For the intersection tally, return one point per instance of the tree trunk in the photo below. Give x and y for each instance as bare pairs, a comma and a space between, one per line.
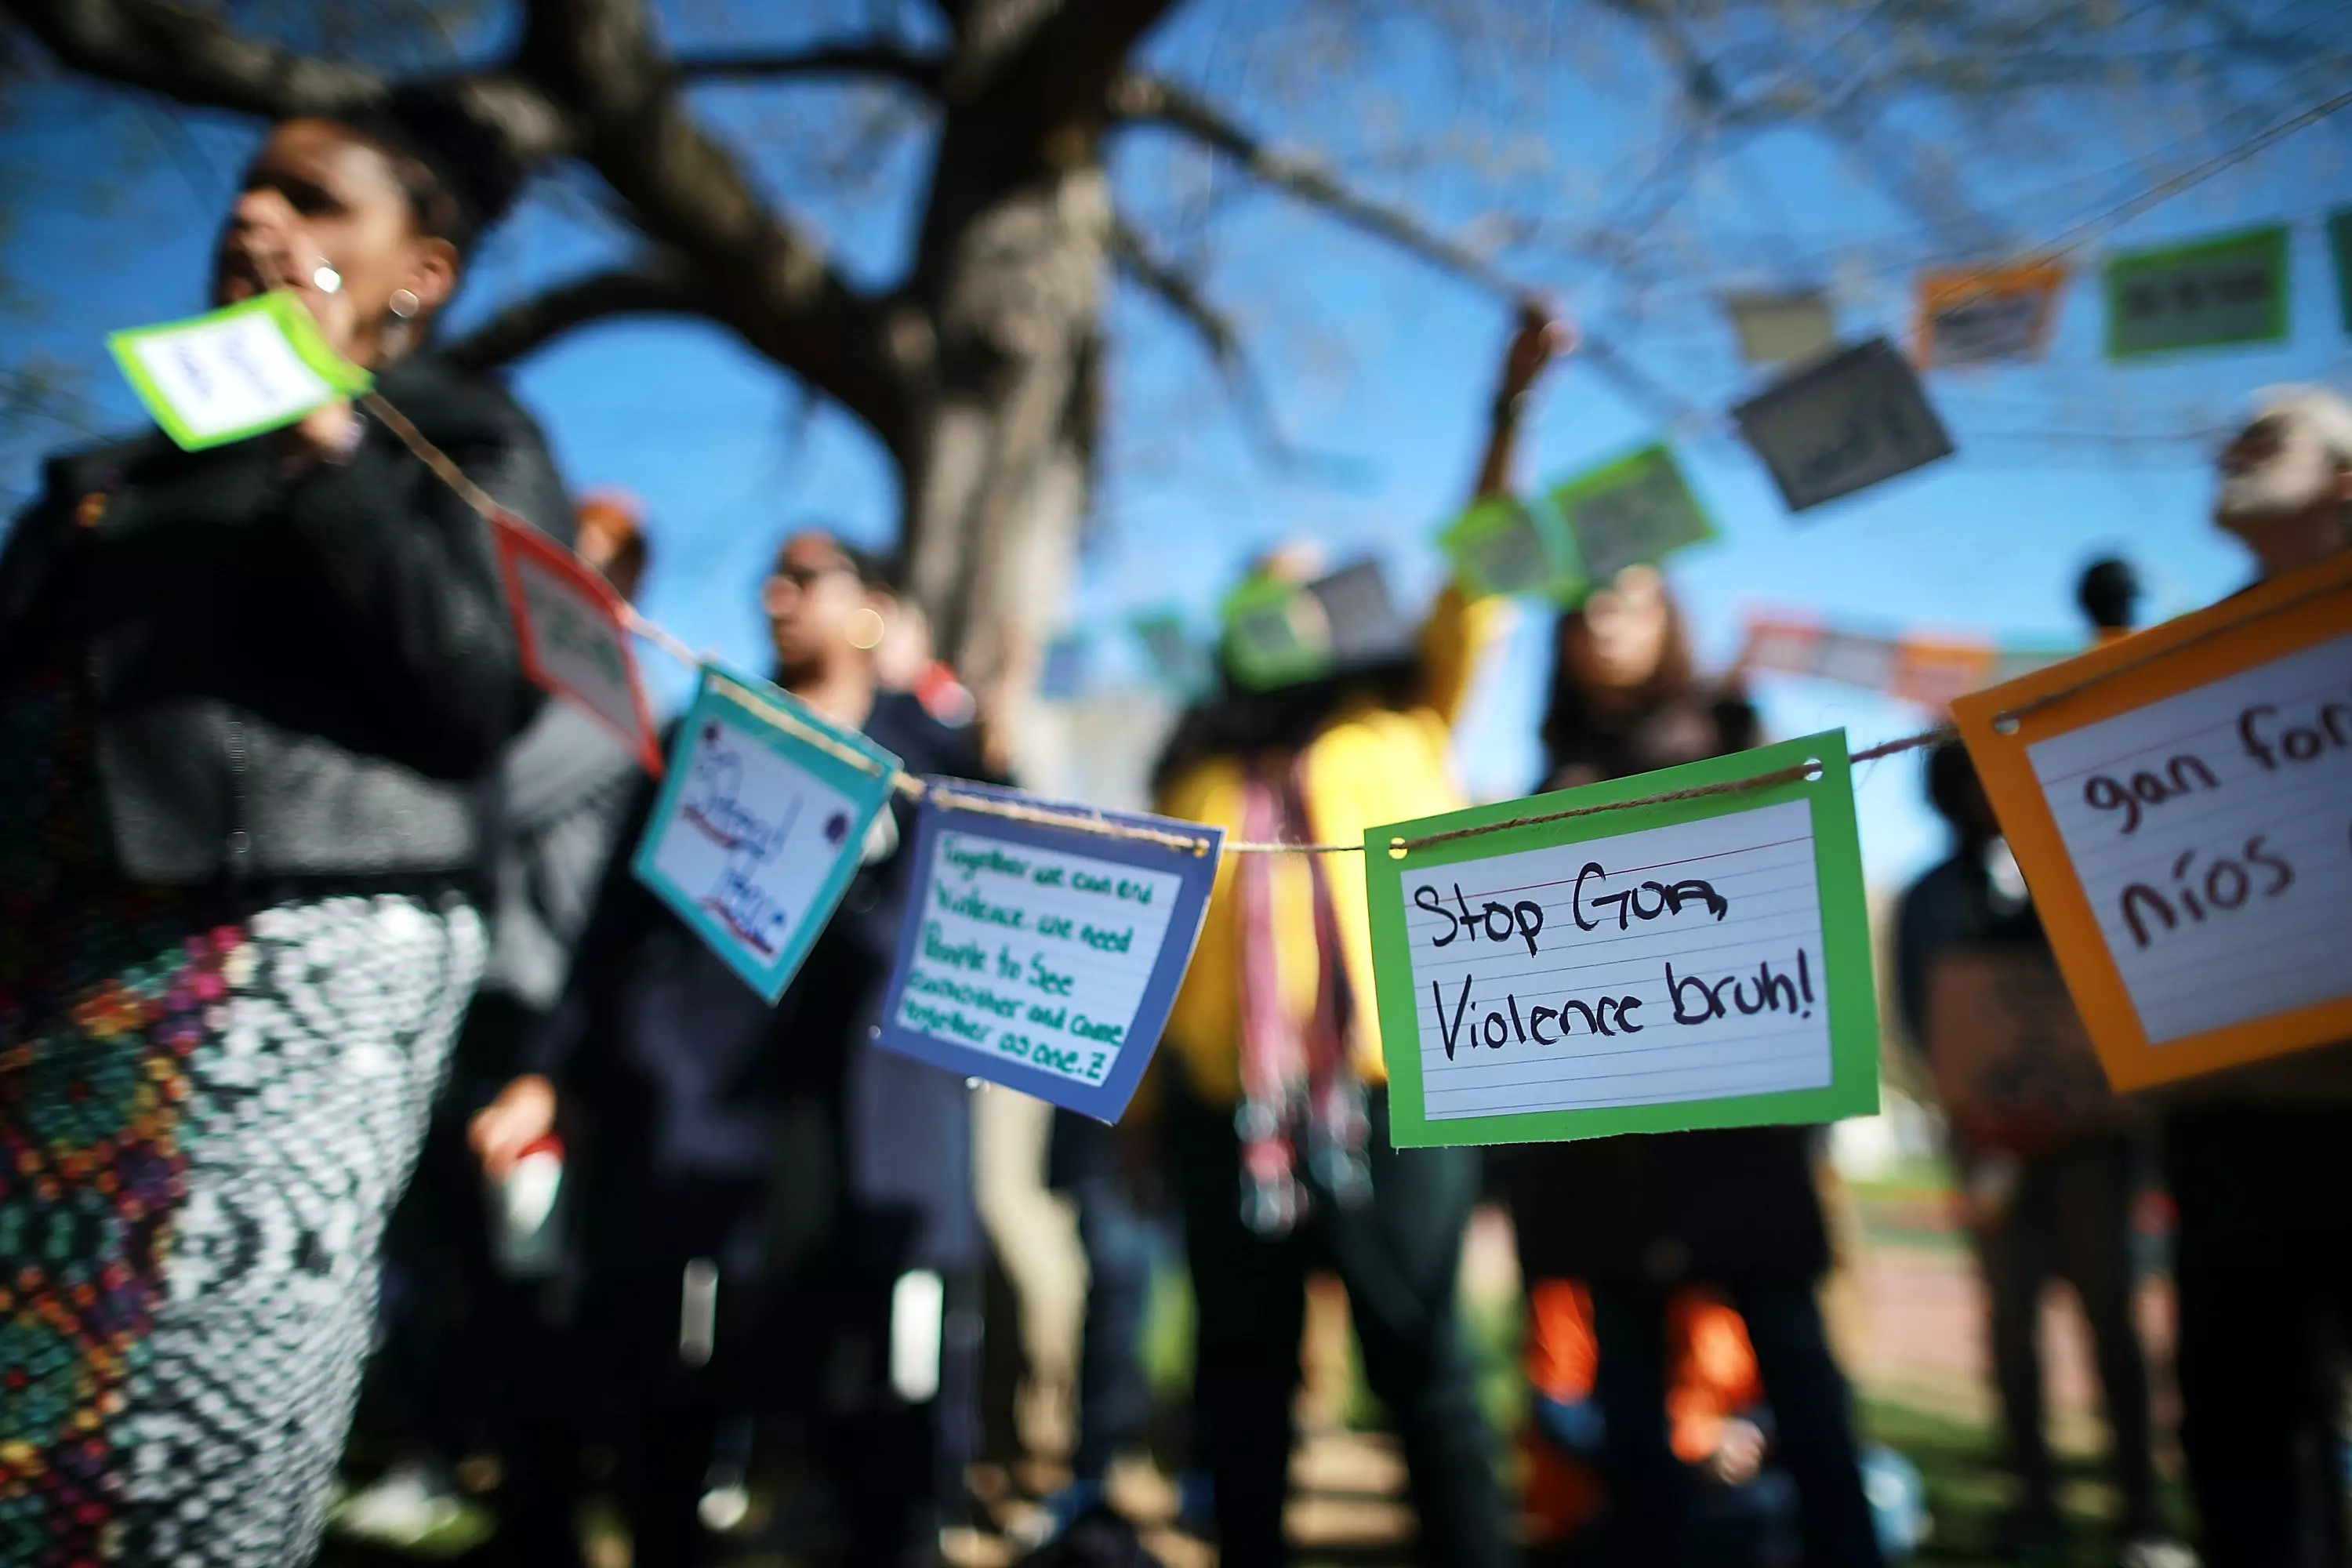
998, 470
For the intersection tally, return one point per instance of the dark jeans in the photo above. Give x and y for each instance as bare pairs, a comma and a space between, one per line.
2262, 1269
1114, 1396
2069, 1219
1398, 1254
1652, 1492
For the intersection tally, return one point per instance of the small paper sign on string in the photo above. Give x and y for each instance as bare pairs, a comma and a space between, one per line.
2210, 294
254, 366
1972, 315
1843, 425
2181, 801
766, 812
1276, 634
1700, 961
574, 644
1502, 546
1040, 956
1180, 663
2339, 249
2012, 1063
1636, 510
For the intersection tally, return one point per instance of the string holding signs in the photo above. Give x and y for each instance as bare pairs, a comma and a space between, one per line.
1972, 315
1041, 956
568, 624
1843, 425
1636, 510
2181, 801
254, 366
767, 811
2216, 292
1686, 963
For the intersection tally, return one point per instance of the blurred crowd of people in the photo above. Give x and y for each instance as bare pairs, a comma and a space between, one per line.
303, 890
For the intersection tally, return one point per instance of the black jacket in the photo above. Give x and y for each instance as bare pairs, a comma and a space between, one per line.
295, 675
843, 1157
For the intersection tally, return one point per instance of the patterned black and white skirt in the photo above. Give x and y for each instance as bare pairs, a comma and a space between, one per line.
203, 1127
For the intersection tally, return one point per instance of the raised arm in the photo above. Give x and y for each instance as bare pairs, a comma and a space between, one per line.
1458, 632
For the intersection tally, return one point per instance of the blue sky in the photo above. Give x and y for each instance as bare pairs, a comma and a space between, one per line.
1385, 364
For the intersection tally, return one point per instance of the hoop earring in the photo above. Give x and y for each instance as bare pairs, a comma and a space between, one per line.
865, 630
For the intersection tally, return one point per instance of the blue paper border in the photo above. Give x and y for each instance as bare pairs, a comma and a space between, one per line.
1105, 1100
868, 792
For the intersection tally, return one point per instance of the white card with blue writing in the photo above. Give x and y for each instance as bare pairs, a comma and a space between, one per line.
765, 811
1646, 967
1043, 943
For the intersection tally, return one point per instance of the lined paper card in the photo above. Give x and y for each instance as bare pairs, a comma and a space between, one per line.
1696, 963
255, 365
765, 813
568, 630
1040, 956
2182, 806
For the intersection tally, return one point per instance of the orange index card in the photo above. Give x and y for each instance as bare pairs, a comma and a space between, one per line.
2181, 801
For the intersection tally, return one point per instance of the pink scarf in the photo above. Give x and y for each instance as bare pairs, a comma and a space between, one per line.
1289, 1081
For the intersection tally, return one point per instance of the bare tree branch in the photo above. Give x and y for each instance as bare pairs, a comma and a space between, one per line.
528, 325
1140, 100
850, 58
764, 276
187, 55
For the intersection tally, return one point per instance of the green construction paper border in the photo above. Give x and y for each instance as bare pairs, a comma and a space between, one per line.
1560, 497
301, 332
2125, 265
1567, 583
1257, 672
2339, 245
1846, 957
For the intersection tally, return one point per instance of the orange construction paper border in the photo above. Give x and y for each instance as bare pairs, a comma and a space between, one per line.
2260, 627
1940, 288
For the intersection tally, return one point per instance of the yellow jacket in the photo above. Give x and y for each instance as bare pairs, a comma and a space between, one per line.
1368, 766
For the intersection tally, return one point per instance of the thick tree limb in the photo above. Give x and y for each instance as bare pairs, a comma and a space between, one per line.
191, 56
186, 54
760, 273
850, 58
528, 325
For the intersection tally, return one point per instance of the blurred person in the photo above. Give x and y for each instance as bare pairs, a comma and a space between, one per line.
2109, 594
1117, 1234
1736, 1209
465, 1309
906, 659
1276, 1108
2040, 1205
755, 1184
1720, 1428
248, 696
2255, 1157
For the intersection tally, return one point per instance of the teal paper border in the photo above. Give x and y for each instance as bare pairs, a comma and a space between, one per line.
2271, 241
1846, 959
868, 792
301, 333
2339, 247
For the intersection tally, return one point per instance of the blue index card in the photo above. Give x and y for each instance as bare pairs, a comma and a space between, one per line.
1040, 956
765, 813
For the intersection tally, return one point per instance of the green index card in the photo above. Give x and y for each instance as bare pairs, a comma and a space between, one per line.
1503, 547
1695, 962
257, 365
2216, 292
1635, 510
